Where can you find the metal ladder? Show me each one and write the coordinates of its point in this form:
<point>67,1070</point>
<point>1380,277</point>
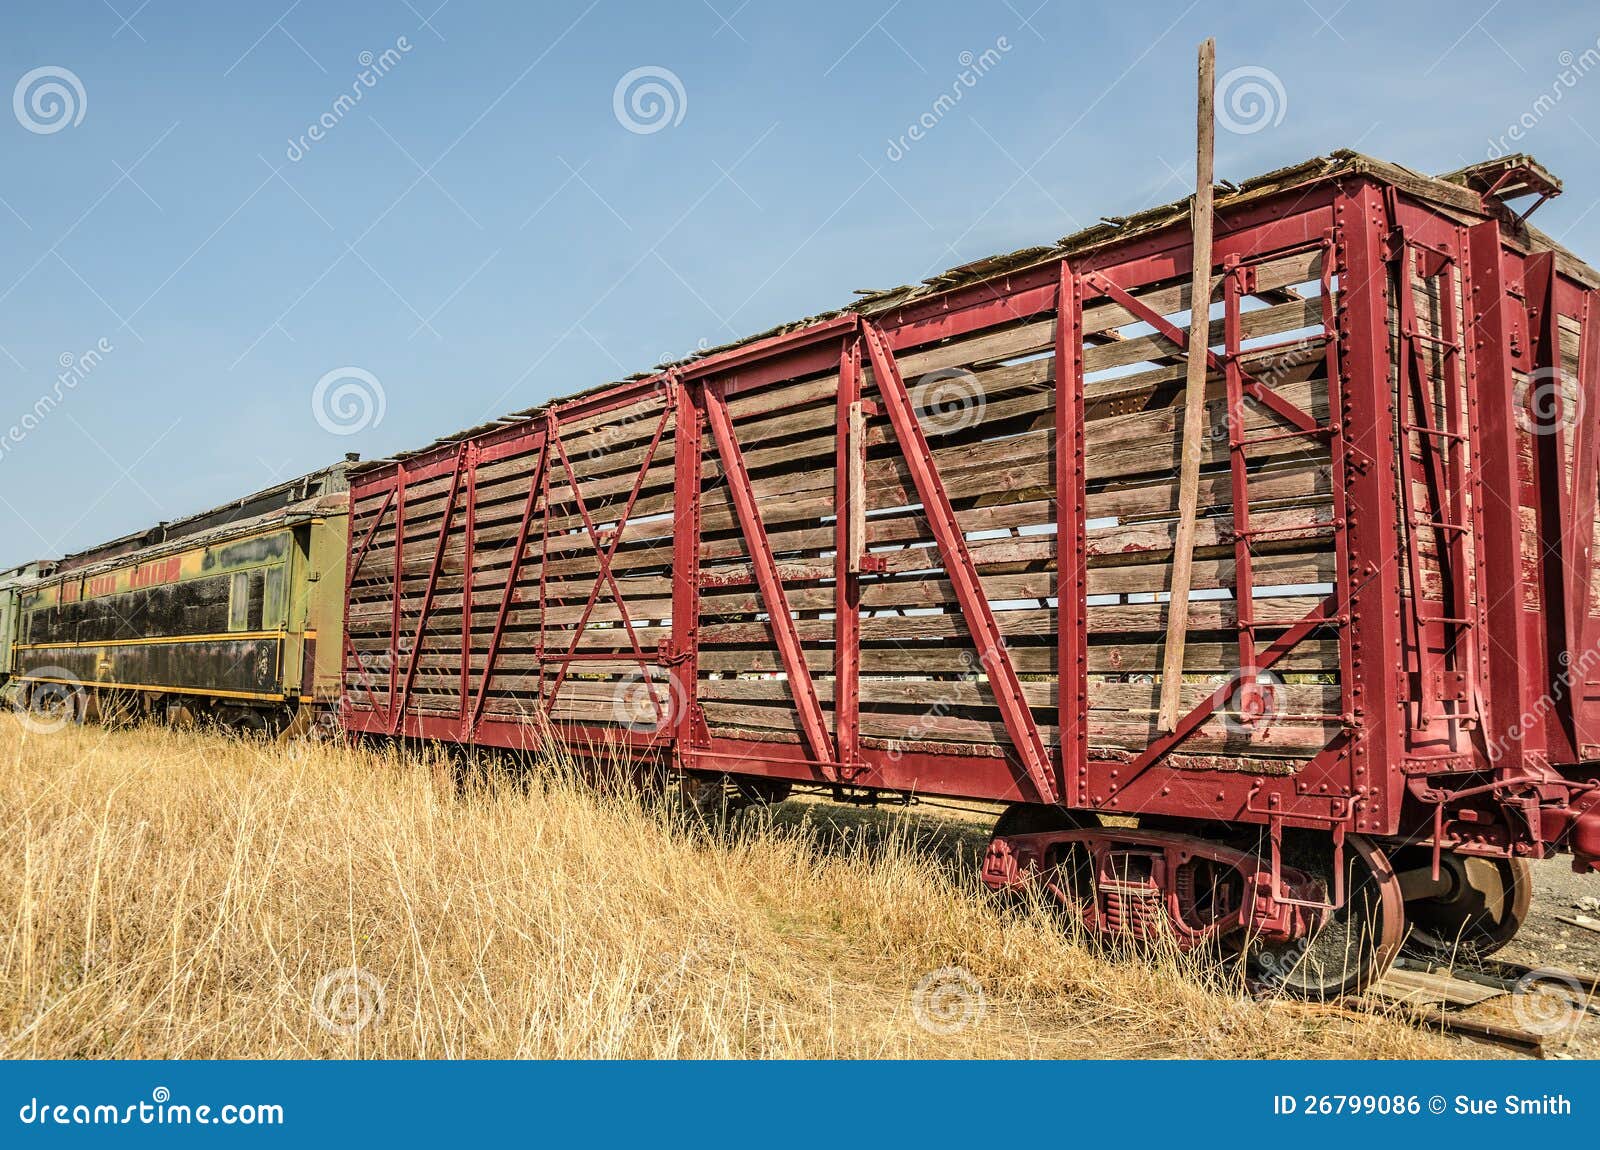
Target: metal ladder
<point>1447,659</point>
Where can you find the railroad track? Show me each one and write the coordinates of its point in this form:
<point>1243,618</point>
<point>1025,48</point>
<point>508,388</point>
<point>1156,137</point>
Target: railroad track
<point>1435,997</point>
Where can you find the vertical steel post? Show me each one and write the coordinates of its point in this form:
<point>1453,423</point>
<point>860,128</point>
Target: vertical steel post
<point>1549,482</point>
<point>1072,598</point>
<point>1564,445</point>
<point>1585,465</point>
<point>1371,654</point>
<point>688,434</point>
<point>1239,477</point>
<point>1508,653</point>
<point>847,456</point>
<point>467,565</point>
<point>399,587</point>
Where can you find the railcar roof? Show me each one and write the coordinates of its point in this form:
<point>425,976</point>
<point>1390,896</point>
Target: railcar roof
<point>26,573</point>
<point>293,500</point>
<point>1470,191</point>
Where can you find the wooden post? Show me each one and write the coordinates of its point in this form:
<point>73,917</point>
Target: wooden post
<point>1194,397</point>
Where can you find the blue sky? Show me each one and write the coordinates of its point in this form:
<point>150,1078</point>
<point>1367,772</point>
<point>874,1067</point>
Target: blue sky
<point>482,230</point>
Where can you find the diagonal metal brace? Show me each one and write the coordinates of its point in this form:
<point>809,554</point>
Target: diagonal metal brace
<point>963,574</point>
<point>604,554</point>
<point>813,724</point>
<point>398,709</point>
<point>366,543</point>
<point>1254,388</point>
<point>1322,615</point>
<point>508,595</point>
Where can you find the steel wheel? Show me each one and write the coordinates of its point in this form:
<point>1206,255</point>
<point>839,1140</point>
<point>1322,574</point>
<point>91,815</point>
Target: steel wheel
<point>1483,904</point>
<point>1036,818</point>
<point>249,723</point>
<point>56,704</point>
<point>1071,881</point>
<point>1354,945</point>
<point>714,797</point>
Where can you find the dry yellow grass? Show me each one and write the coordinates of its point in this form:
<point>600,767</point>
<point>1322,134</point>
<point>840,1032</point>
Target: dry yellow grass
<point>170,894</point>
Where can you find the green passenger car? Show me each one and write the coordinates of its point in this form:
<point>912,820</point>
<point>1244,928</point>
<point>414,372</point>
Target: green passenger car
<point>13,584</point>
<point>233,616</point>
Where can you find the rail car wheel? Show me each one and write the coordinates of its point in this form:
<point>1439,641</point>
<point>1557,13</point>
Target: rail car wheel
<point>248,723</point>
<point>715,796</point>
<point>1354,945</point>
<point>1036,818</point>
<point>1474,908</point>
<point>1074,874</point>
<point>53,705</point>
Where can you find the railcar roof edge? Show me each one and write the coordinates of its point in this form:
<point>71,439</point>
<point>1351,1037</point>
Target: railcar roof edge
<point>184,533</point>
<point>1454,191</point>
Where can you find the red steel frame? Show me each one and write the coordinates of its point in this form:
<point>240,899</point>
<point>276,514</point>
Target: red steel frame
<point>1385,770</point>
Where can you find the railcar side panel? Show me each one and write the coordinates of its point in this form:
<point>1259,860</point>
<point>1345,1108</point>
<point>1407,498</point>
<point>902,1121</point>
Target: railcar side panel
<point>210,618</point>
<point>834,555</point>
